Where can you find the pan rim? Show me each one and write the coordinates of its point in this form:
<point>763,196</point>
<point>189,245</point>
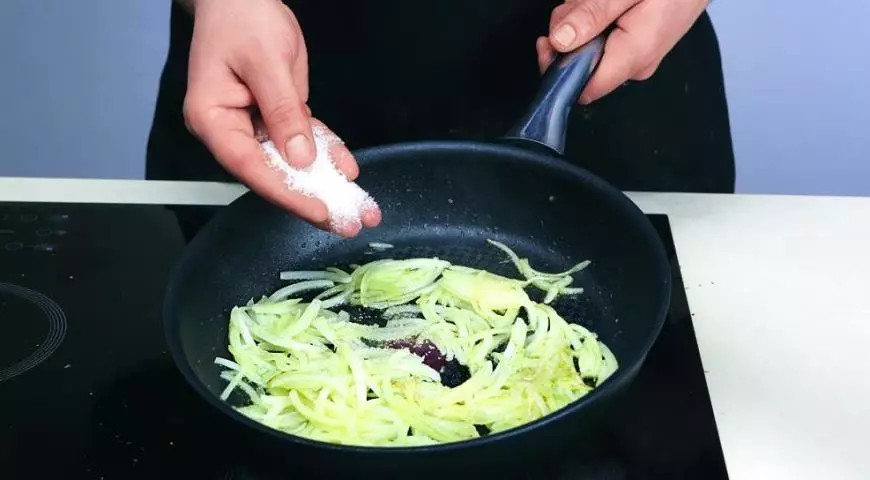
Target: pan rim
<point>383,153</point>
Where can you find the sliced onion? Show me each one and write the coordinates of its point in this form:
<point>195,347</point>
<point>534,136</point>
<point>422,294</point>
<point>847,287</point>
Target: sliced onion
<point>309,370</point>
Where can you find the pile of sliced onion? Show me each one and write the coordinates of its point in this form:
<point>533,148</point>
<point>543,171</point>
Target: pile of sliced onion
<point>307,368</point>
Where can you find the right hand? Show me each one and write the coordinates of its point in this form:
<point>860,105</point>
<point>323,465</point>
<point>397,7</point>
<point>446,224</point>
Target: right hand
<point>246,53</point>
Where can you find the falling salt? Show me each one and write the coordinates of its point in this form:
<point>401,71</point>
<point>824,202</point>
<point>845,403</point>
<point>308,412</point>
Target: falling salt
<point>322,180</point>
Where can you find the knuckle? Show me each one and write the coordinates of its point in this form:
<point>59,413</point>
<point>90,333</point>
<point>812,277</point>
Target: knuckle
<point>195,114</point>
<point>251,56</point>
<point>559,13</point>
<point>237,157</point>
<point>284,114</point>
<point>640,56</point>
<point>645,63</point>
<point>286,53</point>
<point>254,56</point>
<point>241,165</point>
<point>646,73</point>
<point>594,11</point>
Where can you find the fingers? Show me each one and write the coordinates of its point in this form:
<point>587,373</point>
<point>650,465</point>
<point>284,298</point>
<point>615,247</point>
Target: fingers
<point>201,94</point>
<point>545,53</point>
<point>646,73</point>
<point>644,34</point>
<point>575,23</point>
<point>339,153</point>
<point>371,217</point>
<point>344,161</point>
<point>345,229</point>
<point>616,67</point>
<point>229,135</point>
<point>371,214</point>
<point>283,109</point>
<point>342,157</point>
<point>635,48</point>
<point>624,60</point>
<point>299,70</point>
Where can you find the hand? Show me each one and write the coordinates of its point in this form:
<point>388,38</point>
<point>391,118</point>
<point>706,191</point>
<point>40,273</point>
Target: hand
<point>246,53</point>
<point>645,31</point>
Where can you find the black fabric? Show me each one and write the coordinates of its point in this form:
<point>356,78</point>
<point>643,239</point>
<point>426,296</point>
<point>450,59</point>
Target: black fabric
<point>387,71</point>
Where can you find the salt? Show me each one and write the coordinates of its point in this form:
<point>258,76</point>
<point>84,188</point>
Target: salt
<point>344,199</point>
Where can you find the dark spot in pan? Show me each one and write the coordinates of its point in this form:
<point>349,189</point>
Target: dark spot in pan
<point>366,316</point>
<point>454,374</point>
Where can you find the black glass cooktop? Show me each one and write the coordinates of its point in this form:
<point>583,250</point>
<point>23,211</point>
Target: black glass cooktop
<point>88,390</point>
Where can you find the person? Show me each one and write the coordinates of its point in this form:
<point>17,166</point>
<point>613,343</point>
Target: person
<point>653,116</point>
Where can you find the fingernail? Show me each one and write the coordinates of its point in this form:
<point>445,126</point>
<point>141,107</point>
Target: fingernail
<point>565,35</point>
<point>298,151</point>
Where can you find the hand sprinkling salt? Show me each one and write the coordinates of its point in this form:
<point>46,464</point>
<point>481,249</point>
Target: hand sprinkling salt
<point>344,199</point>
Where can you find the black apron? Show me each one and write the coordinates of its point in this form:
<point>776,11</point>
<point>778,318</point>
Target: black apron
<point>384,71</point>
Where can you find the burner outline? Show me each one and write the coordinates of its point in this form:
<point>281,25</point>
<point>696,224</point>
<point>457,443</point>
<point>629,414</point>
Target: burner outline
<point>57,326</point>
<point>13,246</point>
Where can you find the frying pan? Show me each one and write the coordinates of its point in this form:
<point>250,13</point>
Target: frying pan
<point>443,199</point>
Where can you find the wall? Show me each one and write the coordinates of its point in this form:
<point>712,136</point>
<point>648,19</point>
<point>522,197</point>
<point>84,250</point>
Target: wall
<point>78,85</point>
<point>79,81</point>
<point>797,75</point>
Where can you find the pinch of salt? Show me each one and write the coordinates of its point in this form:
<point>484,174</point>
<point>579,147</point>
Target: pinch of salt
<point>344,199</point>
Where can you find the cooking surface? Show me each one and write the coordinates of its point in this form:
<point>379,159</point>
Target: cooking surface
<point>87,389</point>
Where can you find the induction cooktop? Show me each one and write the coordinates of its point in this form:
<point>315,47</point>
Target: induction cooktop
<point>88,390</point>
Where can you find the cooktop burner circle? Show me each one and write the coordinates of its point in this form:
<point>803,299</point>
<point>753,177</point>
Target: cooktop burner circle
<point>12,299</point>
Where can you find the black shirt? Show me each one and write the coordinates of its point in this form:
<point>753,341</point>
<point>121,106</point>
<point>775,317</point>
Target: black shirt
<point>384,71</point>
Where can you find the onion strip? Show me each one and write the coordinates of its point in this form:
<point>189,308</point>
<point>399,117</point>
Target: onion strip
<point>307,369</point>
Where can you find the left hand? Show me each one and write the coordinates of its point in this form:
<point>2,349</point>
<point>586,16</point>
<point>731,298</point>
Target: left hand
<point>645,31</point>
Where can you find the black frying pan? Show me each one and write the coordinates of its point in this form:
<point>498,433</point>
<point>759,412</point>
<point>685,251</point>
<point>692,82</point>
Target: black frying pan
<point>443,199</point>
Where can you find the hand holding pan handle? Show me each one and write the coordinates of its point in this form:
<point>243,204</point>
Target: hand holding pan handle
<point>546,121</point>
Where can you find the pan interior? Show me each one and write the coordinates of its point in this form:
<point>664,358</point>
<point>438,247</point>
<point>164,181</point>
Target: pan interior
<point>440,200</point>
<point>591,309</point>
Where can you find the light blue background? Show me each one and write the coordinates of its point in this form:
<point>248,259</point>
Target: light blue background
<point>78,80</point>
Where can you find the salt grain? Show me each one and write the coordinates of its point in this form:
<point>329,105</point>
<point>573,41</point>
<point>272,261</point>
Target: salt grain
<point>344,199</point>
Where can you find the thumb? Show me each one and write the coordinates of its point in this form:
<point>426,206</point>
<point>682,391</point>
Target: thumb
<point>577,22</point>
<point>285,114</point>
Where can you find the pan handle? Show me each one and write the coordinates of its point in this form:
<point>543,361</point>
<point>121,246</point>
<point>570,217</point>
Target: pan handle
<point>546,121</point>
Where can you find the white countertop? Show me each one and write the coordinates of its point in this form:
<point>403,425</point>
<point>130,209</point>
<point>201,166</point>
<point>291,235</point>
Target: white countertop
<point>779,287</point>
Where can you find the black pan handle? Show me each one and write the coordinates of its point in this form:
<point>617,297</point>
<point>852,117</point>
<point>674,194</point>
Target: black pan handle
<point>546,121</point>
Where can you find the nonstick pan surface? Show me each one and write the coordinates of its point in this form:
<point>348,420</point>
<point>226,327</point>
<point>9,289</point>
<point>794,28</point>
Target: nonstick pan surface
<point>440,199</point>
